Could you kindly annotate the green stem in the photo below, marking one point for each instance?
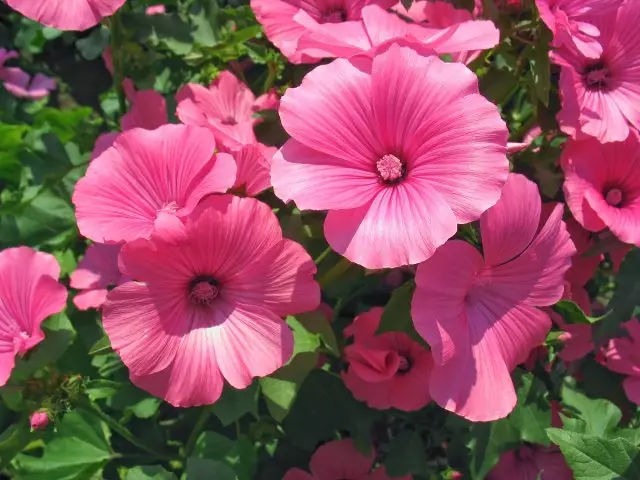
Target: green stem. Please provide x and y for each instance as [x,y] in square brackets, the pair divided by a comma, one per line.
[323,255]
[120,430]
[197,429]
[271,77]
[116,46]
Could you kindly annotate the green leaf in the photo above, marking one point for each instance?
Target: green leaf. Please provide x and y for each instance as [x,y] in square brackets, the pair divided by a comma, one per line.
[540,67]
[234,404]
[593,458]
[13,440]
[204,469]
[78,451]
[487,442]
[281,388]
[601,417]
[304,340]
[65,124]
[572,313]
[406,455]
[92,46]
[149,472]
[317,323]
[397,312]
[238,454]
[532,415]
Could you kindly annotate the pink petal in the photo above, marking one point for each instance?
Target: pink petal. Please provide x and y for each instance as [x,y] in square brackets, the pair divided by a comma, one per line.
[340,459]
[371,365]
[632,389]
[149,111]
[365,325]
[67,14]
[402,225]
[251,343]
[92,298]
[98,268]
[254,168]
[103,142]
[297,474]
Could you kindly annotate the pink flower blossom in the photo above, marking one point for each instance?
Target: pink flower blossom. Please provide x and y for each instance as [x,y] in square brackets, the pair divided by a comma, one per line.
[570,22]
[147,180]
[479,312]
[389,370]
[340,460]
[39,420]
[19,83]
[209,307]
[577,338]
[156,10]
[599,95]
[399,152]
[227,108]
[67,14]
[96,271]
[29,293]
[254,167]
[623,356]
[531,462]
[127,84]
[602,186]
[583,265]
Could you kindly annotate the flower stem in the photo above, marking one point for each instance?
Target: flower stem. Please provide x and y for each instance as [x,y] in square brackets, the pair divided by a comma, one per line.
[116,46]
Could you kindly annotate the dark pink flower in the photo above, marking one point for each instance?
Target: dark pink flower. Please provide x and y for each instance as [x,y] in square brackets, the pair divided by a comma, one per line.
[600,97]
[340,460]
[602,186]
[67,14]
[400,150]
[210,307]
[389,370]
[29,293]
[623,356]
[479,312]
[531,462]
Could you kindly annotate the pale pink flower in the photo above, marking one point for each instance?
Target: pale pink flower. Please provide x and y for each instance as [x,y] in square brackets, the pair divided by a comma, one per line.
[602,185]
[478,312]
[254,167]
[227,108]
[600,96]
[400,152]
[39,420]
[96,271]
[67,14]
[531,462]
[19,83]
[623,356]
[210,307]
[156,10]
[29,293]
[147,180]
[389,370]
[340,460]
[378,27]
[570,22]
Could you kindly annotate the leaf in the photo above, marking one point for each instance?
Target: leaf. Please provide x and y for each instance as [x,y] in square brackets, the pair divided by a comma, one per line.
[406,455]
[593,458]
[11,142]
[78,450]
[13,440]
[572,313]
[281,388]
[532,415]
[65,124]
[304,340]
[601,416]
[487,442]
[234,404]
[316,322]
[149,472]
[238,454]
[204,469]
[540,67]
[397,313]
[92,46]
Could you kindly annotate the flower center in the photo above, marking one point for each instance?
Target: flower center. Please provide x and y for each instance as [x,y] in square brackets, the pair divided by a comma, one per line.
[170,207]
[20,342]
[337,15]
[203,290]
[405,365]
[614,197]
[229,121]
[390,169]
[597,76]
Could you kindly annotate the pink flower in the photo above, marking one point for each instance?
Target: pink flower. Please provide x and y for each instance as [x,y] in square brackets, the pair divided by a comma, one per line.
[389,370]
[127,84]
[39,420]
[340,460]
[600,97]
[531,462]
[399,151]
[19,83]
[479,312]
[379,27]
[210,307]
[156,10]
[602,186]
[623,356]
[67,14]
[577,338]
[29,293]
[570,22]
[583,266]
[254,168]
[147,180]
[227,108]
[96,271]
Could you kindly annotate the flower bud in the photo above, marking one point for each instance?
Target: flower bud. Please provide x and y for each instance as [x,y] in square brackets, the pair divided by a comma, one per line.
[39,420]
